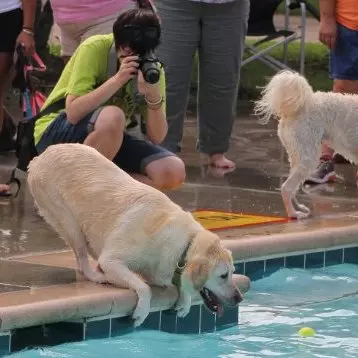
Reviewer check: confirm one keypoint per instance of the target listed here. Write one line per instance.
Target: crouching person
(97, 106)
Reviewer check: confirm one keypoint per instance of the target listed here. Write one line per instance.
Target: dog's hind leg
(289, 189)
(57, 215)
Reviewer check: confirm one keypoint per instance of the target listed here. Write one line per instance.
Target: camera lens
(152, 75)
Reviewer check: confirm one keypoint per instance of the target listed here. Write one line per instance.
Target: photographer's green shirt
(86, 70)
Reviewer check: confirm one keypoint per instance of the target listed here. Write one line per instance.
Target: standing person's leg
(70, 39)
(10, 27)
(343, 69)
(224, 29)
(180, 39)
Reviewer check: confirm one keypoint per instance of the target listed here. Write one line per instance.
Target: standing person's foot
(324, 173)
(220, 161)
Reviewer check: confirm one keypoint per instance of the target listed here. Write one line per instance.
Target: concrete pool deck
(39, 285)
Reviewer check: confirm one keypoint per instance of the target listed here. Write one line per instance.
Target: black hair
(144, 17)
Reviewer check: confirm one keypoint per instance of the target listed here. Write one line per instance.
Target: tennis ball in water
(307, 332)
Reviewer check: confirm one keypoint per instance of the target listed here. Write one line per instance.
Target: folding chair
(261, 25)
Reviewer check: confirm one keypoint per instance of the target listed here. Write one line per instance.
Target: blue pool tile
(121, 325)
(46, 335)
(228, 319)
(169, 321)
(351, 255)
(62, 332)
(98, 329)
(4, 345)
(191, 322)
(273, 265)
(255, 269)
(297, 261)
(23, 338)
(207, 321)
(334, 257)
(240, 268)
(152, 321)
(315, 260)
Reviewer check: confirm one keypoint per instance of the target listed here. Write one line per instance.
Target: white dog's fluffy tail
(285, 96)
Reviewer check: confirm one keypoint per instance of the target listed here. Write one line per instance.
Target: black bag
(25, 144)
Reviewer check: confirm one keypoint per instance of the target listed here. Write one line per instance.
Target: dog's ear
(197, 272)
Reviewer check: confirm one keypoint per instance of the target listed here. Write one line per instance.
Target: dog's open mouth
(212, 301)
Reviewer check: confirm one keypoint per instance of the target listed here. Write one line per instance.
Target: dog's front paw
(141, 312)
(95, 276)
(183, 310)
(303, 208)
(183, 305)
(299, 215)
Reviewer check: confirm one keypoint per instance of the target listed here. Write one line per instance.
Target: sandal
(5, 190)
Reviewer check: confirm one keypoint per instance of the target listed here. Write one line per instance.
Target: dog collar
(181, 264)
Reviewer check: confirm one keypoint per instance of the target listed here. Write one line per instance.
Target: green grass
(281, 8)
(55, 50)
(255, 74)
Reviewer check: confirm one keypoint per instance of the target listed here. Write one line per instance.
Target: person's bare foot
(217, 172)
(220, 161)
(4, 190)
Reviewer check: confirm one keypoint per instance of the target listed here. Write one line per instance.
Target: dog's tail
(285, 96)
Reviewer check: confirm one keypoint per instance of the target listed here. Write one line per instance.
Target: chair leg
(303, 37)
(287, 27)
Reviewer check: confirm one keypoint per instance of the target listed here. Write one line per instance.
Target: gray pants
(218, 32)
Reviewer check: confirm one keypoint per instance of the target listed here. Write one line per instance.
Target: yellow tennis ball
(307, 332)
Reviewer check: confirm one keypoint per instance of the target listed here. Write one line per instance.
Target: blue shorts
(343, 59)
(133, 156)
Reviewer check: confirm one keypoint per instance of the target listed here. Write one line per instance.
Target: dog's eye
(224, 276)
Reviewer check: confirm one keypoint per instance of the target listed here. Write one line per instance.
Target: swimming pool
(275, 308)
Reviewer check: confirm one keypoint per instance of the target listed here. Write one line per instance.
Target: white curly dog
(306, 118)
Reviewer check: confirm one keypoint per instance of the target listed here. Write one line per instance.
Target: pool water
(275, 308)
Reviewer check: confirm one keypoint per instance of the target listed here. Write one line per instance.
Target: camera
(149, 65)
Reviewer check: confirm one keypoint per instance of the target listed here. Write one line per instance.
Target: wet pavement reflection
(253, 187)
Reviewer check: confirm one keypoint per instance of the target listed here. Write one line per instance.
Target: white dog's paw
(299, 215)
(141, 312)
(182, 311)
(95, 276)
(303, 208)
(183, 305)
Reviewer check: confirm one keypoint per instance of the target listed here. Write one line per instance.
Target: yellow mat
(221, 220)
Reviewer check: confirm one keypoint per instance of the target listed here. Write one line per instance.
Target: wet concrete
(252, 188)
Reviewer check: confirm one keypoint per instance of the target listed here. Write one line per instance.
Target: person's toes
(220, 161)
(218, 172)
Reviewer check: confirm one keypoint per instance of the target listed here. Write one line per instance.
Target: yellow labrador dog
(136, 233)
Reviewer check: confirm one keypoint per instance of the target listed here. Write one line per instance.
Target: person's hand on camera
(151, 91)
(128, 69)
